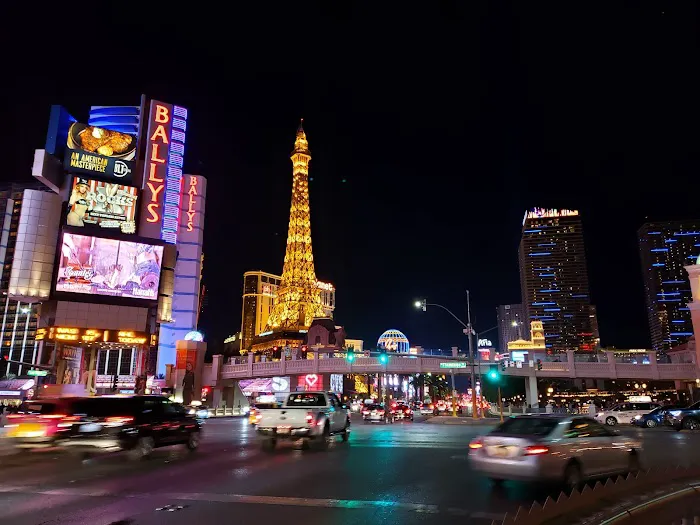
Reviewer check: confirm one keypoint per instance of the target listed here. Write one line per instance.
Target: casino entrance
(94, 361)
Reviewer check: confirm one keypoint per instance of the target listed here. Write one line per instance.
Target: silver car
(553, 448)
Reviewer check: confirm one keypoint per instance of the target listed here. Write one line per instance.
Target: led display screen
(108, 267)
(100, 152)
(102, 204)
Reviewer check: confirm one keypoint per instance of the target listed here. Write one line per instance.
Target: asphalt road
(406, 473)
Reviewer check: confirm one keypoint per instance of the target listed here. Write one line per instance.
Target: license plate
(284, 430)
(90, 427)
(501, 451)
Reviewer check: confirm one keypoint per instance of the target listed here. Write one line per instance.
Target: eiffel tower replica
(298, 297)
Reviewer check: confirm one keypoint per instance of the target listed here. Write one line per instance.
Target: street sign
(37, 373)
(454, 364)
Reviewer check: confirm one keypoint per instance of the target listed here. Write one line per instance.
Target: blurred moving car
(199, 411)
(427, 409)
(135, 424)
(624, 412)
(38, 424)
(553, 448)
(376, 413)
(254, 414)
(402, 412)
(684, 418)
(654, 418)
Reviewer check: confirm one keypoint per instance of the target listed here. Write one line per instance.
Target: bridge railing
(568, 368)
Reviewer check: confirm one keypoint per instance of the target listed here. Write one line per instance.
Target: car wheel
(143, 449)
(572, 476)
(611, 421)
(192, 441)
(322, 441)
(690, 424)
(650, 423)
(268, 445)
(633, 465)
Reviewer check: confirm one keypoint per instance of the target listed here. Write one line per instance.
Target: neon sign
(165, 151)
(191, 194)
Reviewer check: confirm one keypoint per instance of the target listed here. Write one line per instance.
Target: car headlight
(675, 413)
(192, 411)
(637, 417)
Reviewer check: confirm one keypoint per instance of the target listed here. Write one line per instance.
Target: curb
(449, 420)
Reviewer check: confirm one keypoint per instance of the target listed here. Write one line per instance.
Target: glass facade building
(665, 248)
(512, 324)
(554, 278)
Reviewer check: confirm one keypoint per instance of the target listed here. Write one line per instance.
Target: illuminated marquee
(91, 335)
(162, 180)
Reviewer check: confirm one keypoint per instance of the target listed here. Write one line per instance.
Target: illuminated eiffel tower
(298, 297)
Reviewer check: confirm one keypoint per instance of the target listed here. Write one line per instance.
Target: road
(406, 473)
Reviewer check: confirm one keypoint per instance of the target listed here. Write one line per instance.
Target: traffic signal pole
(471, 355)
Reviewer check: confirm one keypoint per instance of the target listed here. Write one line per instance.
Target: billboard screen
(100, 151)
(108, 267)
(102, 204)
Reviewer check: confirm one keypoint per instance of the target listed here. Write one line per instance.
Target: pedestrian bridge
(607, 367)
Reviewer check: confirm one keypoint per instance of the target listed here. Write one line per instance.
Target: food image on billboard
(100, 151)
(102, 204)
(109, 267)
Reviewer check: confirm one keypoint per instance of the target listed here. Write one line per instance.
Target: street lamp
(469, 332)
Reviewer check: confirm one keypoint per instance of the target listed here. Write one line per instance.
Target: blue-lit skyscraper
(665, 248)
(554, 278)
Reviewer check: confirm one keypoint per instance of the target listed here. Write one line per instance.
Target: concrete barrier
(615, 496)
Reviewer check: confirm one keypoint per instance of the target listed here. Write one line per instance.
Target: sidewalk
(461, 420)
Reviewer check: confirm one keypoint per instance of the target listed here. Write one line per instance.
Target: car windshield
(373, 407)
(306, 400)
(104, 407)
(527, 426)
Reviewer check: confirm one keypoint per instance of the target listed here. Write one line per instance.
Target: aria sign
(484, 343)
(162, 178)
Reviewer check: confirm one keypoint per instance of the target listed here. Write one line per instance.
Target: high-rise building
(665, 248)
(298, 297)
(18, 319)
(260, 295)
(554, 278)
(512, 324)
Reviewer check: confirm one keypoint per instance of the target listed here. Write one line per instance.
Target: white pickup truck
(313, 417)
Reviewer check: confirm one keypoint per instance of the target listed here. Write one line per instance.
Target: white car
(624, 413)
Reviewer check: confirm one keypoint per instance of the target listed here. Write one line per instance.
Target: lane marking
(261, 500)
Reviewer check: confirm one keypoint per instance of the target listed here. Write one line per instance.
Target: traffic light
(493, 375)
(350, 356)
(114, 382)
(383, 358)
(539, 364)
(504, 363)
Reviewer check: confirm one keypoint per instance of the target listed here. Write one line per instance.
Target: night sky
(431, 128)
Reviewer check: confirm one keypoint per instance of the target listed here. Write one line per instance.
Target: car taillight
(536, 450)
(52, 416)
(476, 444)
(310, 419)
(119, 420)
(380, 412)
(14, 416)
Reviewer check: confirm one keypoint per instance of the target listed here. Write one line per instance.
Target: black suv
(135, 424)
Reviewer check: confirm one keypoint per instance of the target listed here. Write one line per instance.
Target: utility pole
(469, 332)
